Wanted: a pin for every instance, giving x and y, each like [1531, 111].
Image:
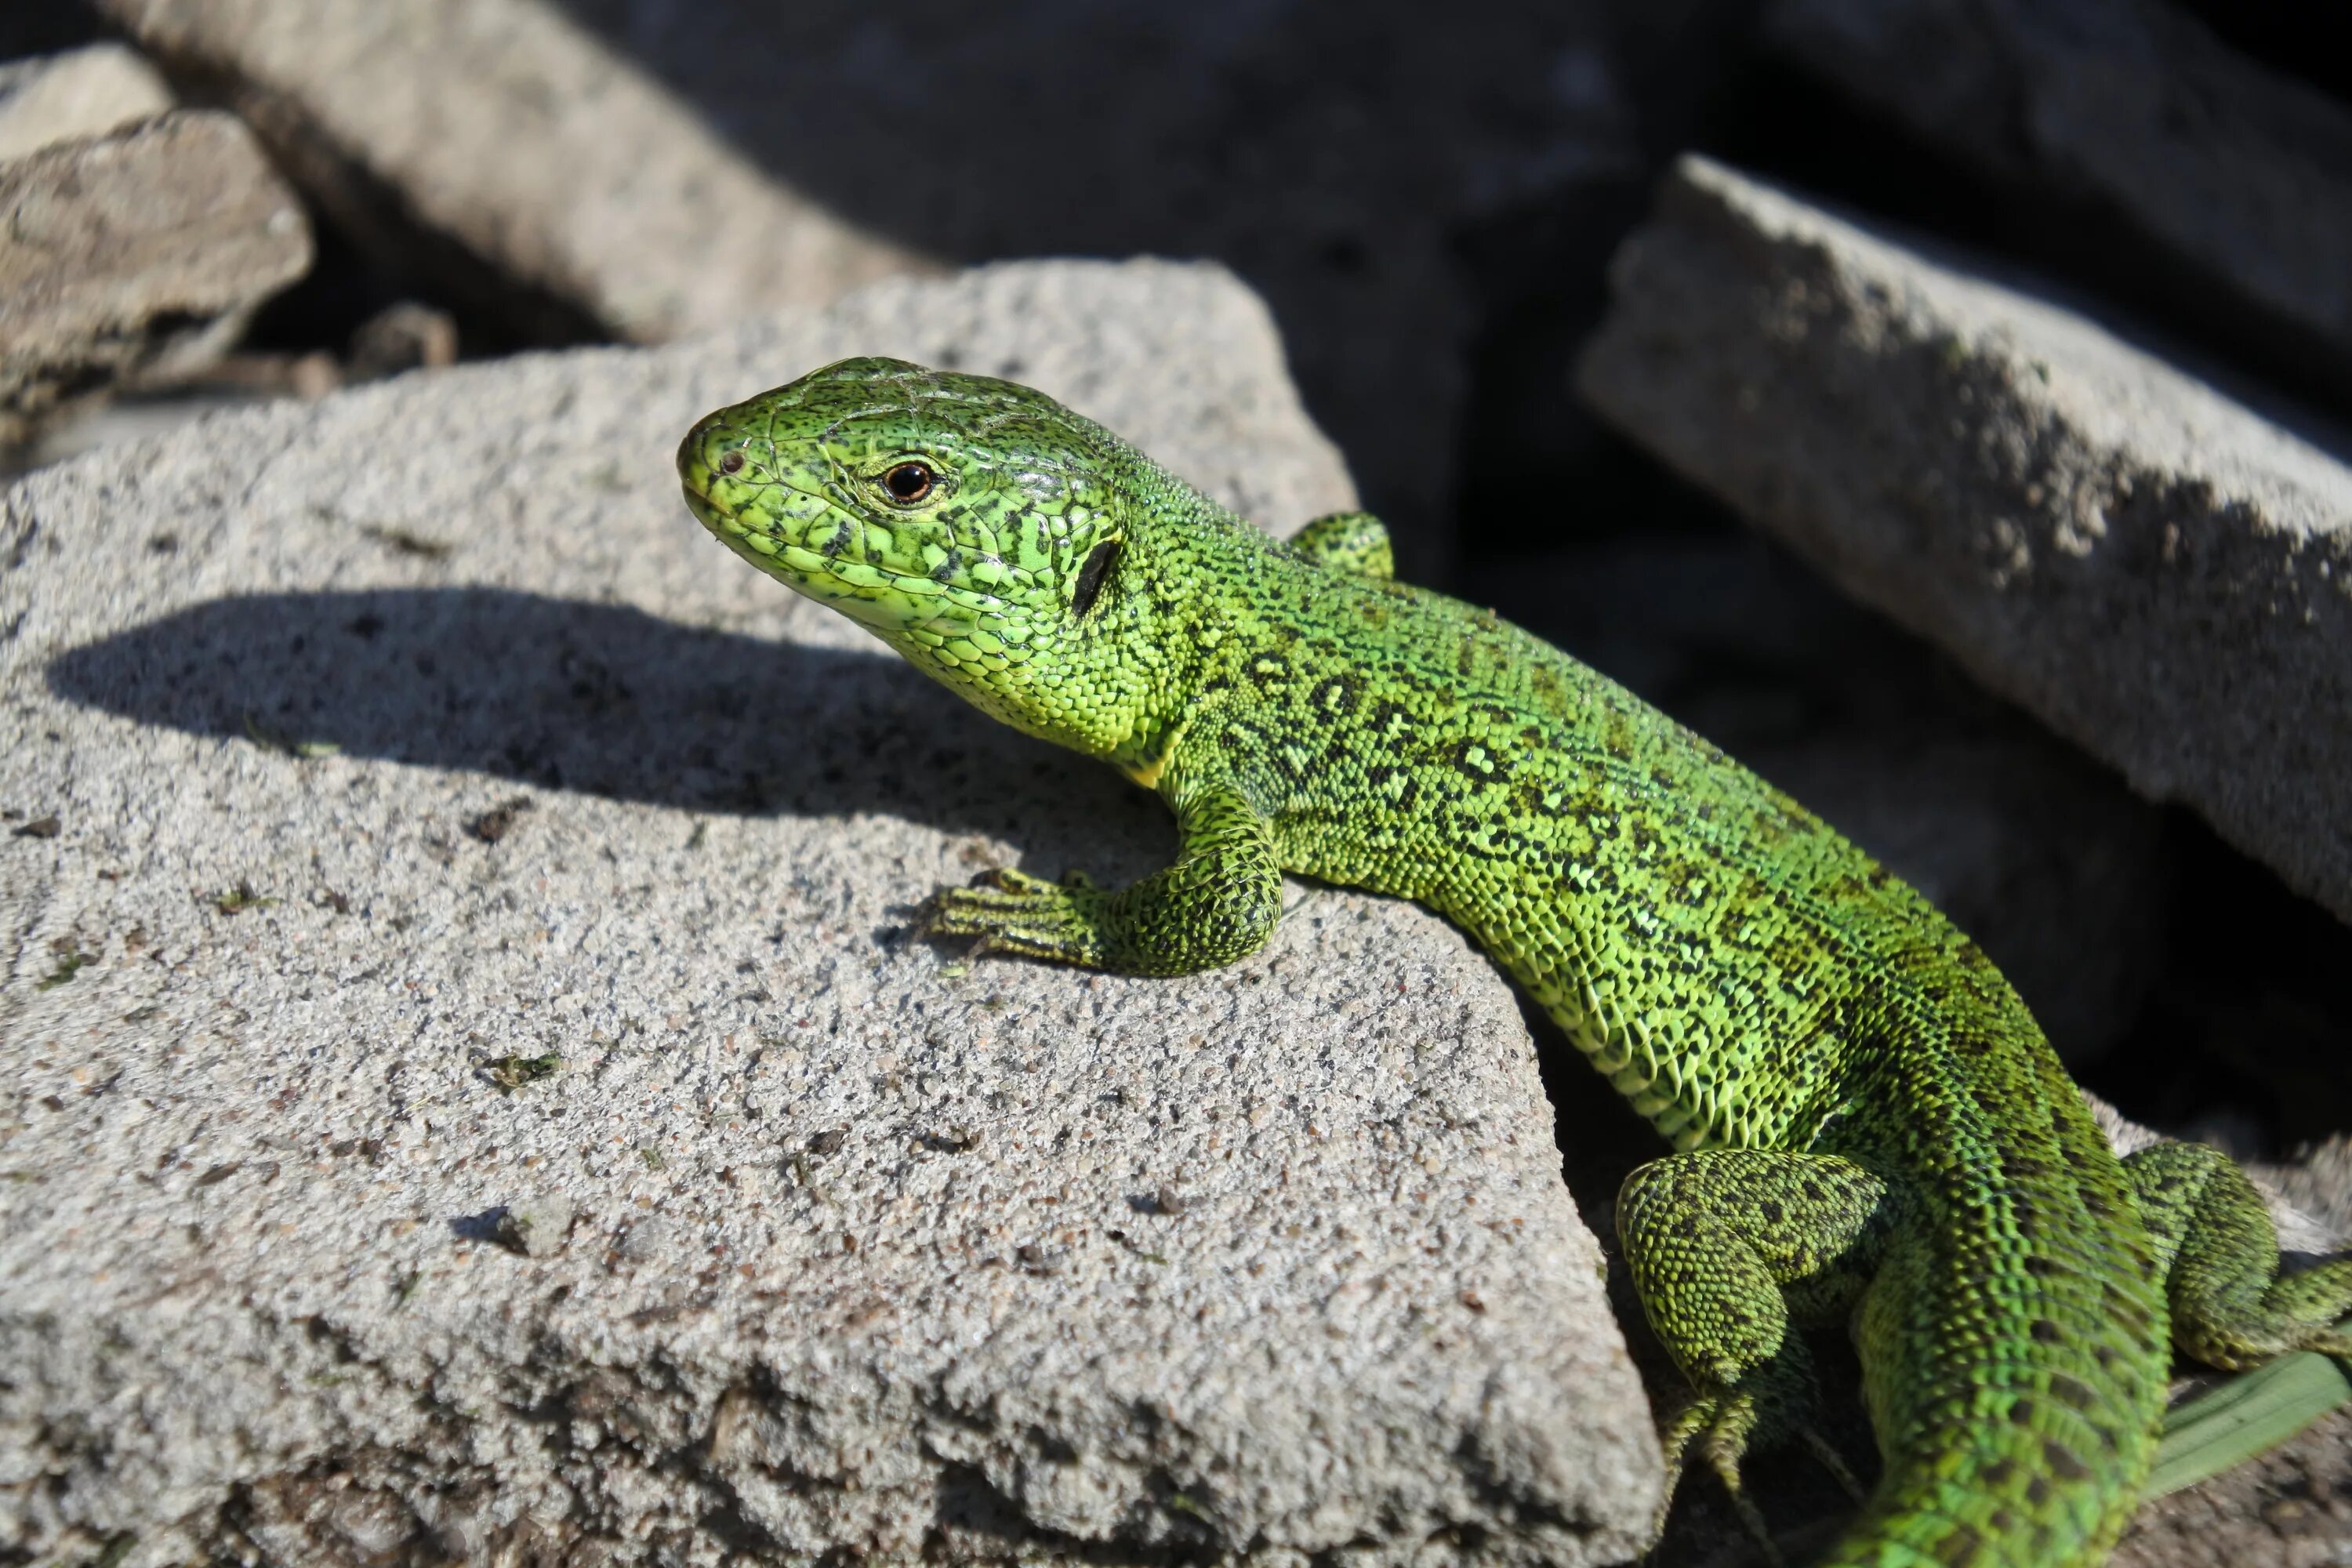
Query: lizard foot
[2231, 1308]
[1717, 1426]
[1012, 911]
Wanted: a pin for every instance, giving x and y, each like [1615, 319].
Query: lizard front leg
[1217, 902]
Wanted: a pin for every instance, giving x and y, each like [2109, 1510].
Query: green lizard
[1865, 1119]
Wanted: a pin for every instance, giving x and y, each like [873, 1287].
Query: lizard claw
[1717, 1426]
[1826, 1452]
[1015, 913]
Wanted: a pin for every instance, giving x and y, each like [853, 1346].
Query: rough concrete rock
[492, 143]
[2318, 1181]
[2133, 112]
[80, 92]
[2162, 574]
[135, 255]
[360, 756]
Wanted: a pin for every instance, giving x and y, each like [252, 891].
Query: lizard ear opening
[1092, 576]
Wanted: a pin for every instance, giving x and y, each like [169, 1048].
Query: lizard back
[1748, 978]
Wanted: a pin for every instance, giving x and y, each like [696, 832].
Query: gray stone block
[399, 742]
[136, 255]
[78, 92]
[497, 146]
[2183, 153]
[2159, 571]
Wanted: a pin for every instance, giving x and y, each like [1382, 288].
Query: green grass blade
[2245, 1417]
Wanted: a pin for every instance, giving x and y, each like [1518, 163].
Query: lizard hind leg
[1728, 1249]
[2219, 1257]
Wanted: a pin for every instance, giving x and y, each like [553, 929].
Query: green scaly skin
[1866, 1120]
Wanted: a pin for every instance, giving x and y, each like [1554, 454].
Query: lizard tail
[2015, 1345]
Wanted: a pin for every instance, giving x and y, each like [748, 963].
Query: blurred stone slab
[469, 1091]
[135, 255]
[1338, 155]
[495, 146]
[80, 92]
[2162, 574]
[2134, 115]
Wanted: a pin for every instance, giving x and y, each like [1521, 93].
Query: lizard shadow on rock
[604, 699]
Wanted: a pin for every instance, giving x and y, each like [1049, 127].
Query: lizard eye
[909, 482]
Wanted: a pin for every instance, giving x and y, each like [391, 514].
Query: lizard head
[979, 528]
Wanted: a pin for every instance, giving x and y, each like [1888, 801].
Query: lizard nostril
[732, 463]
